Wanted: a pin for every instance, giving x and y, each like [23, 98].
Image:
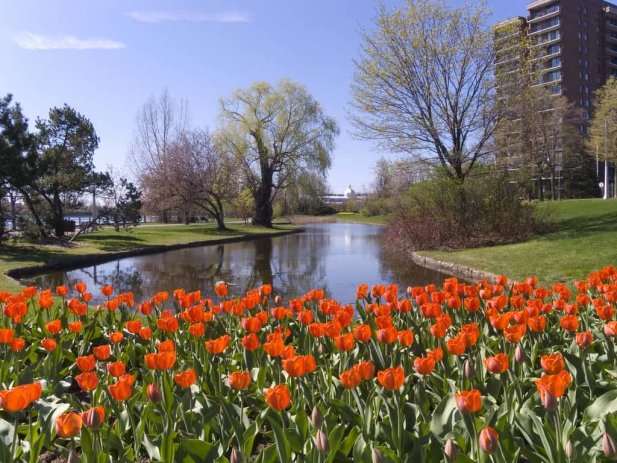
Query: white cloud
[157, 17]
[31, 41]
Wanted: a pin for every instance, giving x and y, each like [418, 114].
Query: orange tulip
[116, 337]
[17, 344]
[424, 365]
[133, 326]
[94, 417]
[391, 378]
[387, 335]
[274, 348]
[584, 339]
[29, 292]
[239, 380]
[197, 329]
[436, 353]
[49, 344]
[569, 322]
[80, 287]
[168, 324]
[251, 324]
[457, 345]
[220, 288]
[552, 364]
[122, 389]
[76, 327]
[497, 364]
[185, 378]
[166, 346]
[53, 327]
[102, 352]
[218, 345]
[62, 291]
[19, 397]
[350, 379]
[87, 381]
[470, 333]
[86, 363]
[68, 425]
[116, 369]
[438, 330]
[107, 290]
[366, 370]
[405, 337]
[250, 342]
[160, 361]
[344, 342]
[514, 333]
[468, 401]
[6, 335]
[278, 397]
[552, 387]
[145, 333]
[362, 333]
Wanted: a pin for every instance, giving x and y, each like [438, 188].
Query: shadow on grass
[26, 254]
[580, 227]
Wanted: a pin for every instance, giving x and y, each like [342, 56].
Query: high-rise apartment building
[574, 45]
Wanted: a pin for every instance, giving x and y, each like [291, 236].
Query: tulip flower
[278, 397]
[239, 380]
[468, 401]
[391, 378]
[68, 425]
[489, 440]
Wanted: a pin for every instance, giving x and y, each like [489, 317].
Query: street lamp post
[605, 160]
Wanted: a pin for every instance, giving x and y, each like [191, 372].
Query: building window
[553, 62]
[545, 25]
[552, 49]
[548, 37]
[612, 22]
[556, 89]
[550, 77]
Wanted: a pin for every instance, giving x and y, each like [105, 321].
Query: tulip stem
[14, 444]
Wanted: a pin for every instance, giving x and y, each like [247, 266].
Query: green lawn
[358, 218]
[21, 254]
[586, 240]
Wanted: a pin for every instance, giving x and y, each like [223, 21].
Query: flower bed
[481, 372]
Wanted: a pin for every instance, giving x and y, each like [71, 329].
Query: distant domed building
[349, 193]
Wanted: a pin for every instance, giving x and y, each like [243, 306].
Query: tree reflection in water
[333, 257]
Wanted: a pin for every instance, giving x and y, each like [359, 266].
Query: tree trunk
[37, 218]
[58, 216]
[220, 215]
[263, 201]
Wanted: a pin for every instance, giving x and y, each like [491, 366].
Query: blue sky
[106, 57]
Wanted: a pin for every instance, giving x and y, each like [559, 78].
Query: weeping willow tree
[276, 133]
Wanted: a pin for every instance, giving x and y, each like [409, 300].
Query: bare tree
[158, 124]
[424, 84]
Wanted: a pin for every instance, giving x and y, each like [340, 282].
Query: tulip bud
[520, 355]
[278, 299]
[236, 456]
[470, 371]
[489, 440]
[608, 446]
[450, 450]
[73, 458]
[409, 290]
[609, 331]
[322, 442]
[154, 395]
[570, 450]
[549, 401]
[92, 418]
[377, 456]
[316, 418]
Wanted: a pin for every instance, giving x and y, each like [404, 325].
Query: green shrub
[446, 213]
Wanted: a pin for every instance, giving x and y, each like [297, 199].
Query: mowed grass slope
[585, 240]
[16, 254]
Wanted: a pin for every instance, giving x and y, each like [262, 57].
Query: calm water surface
[334, 257]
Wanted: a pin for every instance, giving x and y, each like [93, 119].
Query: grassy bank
[359, 218]
[586, 239]
[22, 254]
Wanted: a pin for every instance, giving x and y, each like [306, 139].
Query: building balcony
[539, 3]
[540, 16]
[549, 28]
[612, 50]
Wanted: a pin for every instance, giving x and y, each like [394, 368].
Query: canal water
[333, 257]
